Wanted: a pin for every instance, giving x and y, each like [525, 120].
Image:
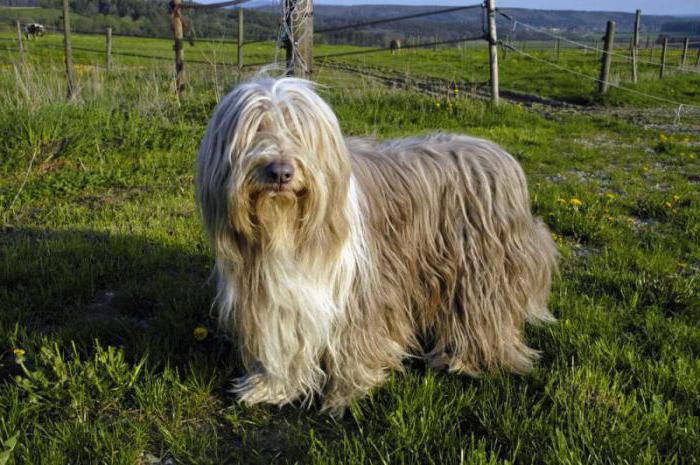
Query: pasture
[108, 349]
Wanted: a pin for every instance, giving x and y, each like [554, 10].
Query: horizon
[649, 7]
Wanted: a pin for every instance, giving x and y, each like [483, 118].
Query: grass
[467, 63]
[109, 354]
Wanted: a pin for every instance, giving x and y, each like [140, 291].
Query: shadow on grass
[130, 291]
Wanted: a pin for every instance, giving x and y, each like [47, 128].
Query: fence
[296, 32]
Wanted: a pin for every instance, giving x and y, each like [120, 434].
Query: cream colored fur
[377, 250]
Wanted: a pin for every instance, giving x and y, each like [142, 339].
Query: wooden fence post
[607, 58]
[662, 68]
[685, 52]
[493, 49]
[635, 44]
[68, 52]
[176, 23]
[20, 45]
[299, 23]
[240, 39]
[637, 21]
[108, 51]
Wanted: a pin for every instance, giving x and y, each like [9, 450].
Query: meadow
[108, 349]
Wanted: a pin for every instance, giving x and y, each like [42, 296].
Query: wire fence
[509, 42]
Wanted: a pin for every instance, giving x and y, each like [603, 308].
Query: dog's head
[273, 168]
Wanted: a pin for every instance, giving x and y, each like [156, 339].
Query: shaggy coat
[368, 253]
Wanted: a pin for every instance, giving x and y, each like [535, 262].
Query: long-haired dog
[337, 258]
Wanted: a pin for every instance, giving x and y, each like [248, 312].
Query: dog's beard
[277, 217]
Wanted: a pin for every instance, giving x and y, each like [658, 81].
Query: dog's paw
[260, 388]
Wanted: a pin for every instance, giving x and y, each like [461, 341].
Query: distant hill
[469, 22]
[149, 17]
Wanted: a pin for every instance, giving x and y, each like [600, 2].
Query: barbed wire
[385, 49]
[581, 44]
[209, 6]
[680, 105]
[152, 57]
[397, 18]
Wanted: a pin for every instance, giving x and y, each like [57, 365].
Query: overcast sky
[672, 7]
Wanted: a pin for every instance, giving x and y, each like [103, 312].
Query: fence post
[637, 21]
[662, 68]
[607, 58]
[635, 44]
[493, 49]
[20, 45]
[685, 52]
[108, 51]
[176, 23]
[240, 39]
[697, 58]
[299, 42]
[68, 52]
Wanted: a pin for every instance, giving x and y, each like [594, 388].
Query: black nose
[279, 172]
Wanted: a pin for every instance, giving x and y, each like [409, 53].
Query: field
[108, 350]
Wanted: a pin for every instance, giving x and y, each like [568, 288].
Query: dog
[336, 259]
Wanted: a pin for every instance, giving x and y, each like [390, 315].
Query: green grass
[467, 63]
[104, 267]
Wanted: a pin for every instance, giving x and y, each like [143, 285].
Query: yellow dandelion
[668, 205]
[676, 198]
[456, 90]
[19, 352]
[437, 104]
[200, 333]
[575, 202]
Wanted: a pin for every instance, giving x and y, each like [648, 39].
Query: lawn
[109, 352]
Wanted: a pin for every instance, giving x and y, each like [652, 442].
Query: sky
[659, 7]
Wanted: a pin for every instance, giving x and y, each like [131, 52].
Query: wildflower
[19, 355]
[676, 198]
[662, 137]
[611, 218]
[668, 205]
[437, 105]
[456, 90]
[555, 237]
[575, 202]
[610, 196]
[200, 333]
[561, 201]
